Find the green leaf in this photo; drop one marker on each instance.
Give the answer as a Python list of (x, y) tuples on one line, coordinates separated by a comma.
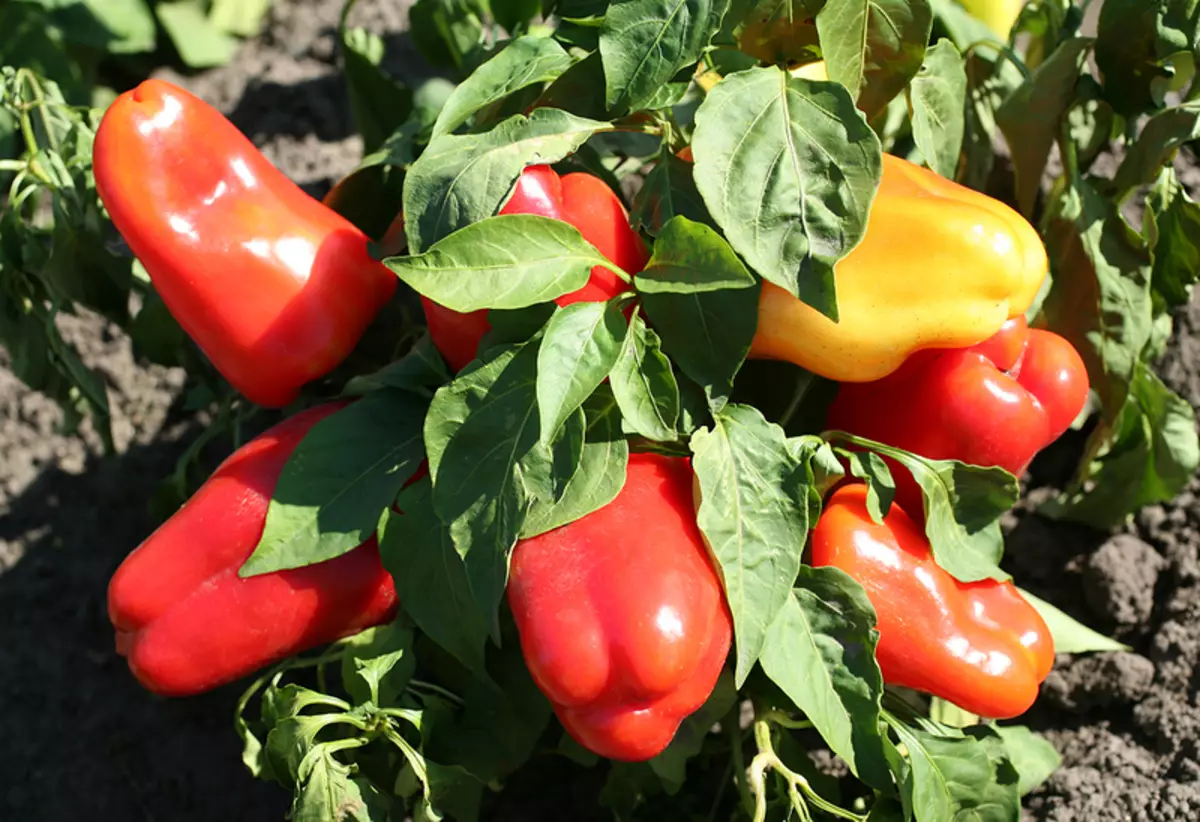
[(821, 651), (669, 191), (881, 487), (1031, 117), (1135, 40), (524, 62), (200, 44), (599, 476), (1147, 455), (1070, 636), (954, 779), (378, 103), (794, 218), (345, 471), (707, 333), (420, 371), (1176, 243), (754, 516), (447, 32), (963, 504), (509, 261), (644, 385), (937, 97), (691, 258), (498, 728), (874, 47), (452, 790), (1031, 754), (378, 664), (1101, 299), (331, 794), (1156, 146), (461, 179), (581, 345), (292, 741), (644, 43), (112, 26), (481, 434), (431, 578)]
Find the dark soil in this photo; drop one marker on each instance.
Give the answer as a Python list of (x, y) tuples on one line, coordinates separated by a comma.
[(82, 740)]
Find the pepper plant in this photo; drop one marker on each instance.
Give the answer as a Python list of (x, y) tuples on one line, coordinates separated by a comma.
[(633, 484)]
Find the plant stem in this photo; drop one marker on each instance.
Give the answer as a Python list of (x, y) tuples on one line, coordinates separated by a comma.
[(738, 758)]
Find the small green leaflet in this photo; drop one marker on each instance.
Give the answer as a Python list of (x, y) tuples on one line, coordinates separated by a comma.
[(643, 384), (461, 179), (524, 62), (691, 258), (378, 664), (874, 47), (331, 794), (1071, 636), (937, 97), (509, 261), (821, 651), (600, 475), (345, 471), (431, 578), (378, 102), (581, 344), (1031, 754), (644, 43), (791, 219), (1173, 229), (753, 513)]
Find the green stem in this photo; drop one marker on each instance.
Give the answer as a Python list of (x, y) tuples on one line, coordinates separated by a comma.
[(421, 685), (737, 757), (799, 789), (804, 381)]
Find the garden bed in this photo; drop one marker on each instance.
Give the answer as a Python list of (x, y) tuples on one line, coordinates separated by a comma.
[(86, 741)]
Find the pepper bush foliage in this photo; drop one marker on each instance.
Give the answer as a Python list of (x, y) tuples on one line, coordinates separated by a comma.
[(430, 714)]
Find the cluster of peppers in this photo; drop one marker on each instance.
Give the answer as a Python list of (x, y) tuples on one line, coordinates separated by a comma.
[(625, 637)]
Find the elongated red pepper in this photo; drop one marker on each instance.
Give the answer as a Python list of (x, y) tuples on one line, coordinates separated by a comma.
[(184, 618), (583, 201), (622, 619), (996, 403), (274, 287), (980, 645)]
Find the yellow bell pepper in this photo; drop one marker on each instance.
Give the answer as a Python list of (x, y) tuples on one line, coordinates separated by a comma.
[(940, 266), (998, 14)]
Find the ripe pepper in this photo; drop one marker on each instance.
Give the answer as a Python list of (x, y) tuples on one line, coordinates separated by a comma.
[(188, 623), (274, 287), (980, 645), (996, 403), (1000, 15), (583, 201), (622, 618), (940, 266)]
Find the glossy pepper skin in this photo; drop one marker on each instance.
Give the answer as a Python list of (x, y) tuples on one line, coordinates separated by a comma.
[(583, 201), (184, 619), (996, 403), (621, 614), (980, 645), (274, 287), (940, 266)]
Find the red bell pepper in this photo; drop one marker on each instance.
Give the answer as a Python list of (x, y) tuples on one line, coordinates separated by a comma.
[(995, 404), (980, 645), (274, 287), (622, 618), (188, 623), (583, 201)]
